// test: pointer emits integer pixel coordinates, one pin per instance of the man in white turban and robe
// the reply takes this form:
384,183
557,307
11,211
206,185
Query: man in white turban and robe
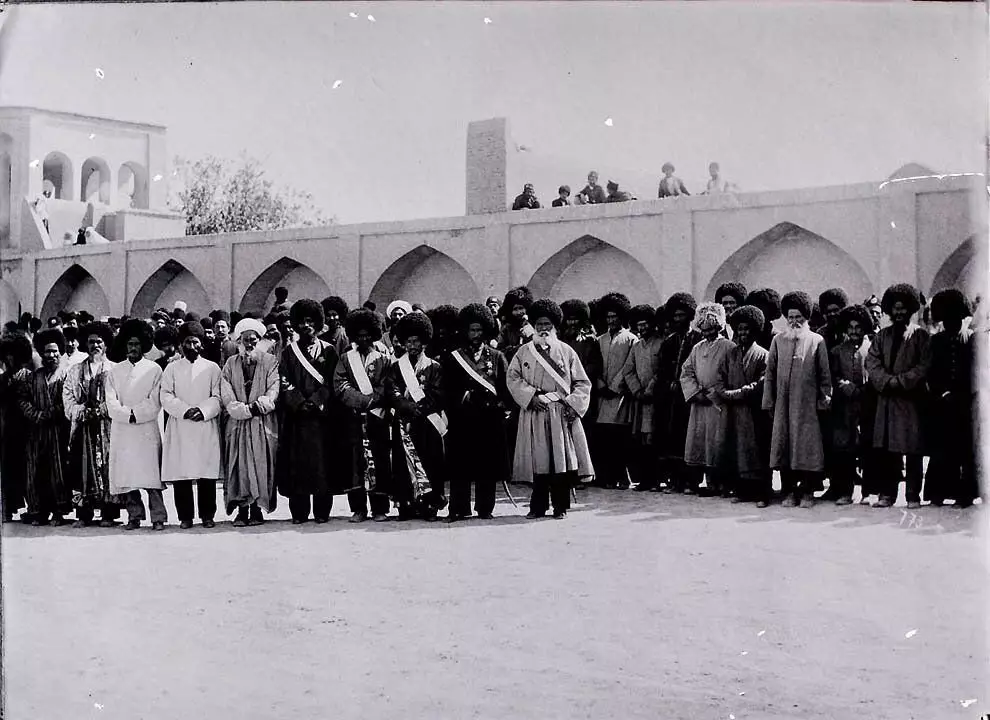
547,381
249,387
133,403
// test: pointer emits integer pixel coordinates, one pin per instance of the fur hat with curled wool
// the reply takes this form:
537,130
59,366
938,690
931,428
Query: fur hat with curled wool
100,329
950,304
305,307
546,308
832,296
615,302
577,309
166,335
444,317
796,300
207,323
859,313
680,301
736,290
139,329
363,319
709,316
642,312
903,292
334,304
414,325
17,345
52,335
478,313
191,329
749,314
191,317
767,300
516,296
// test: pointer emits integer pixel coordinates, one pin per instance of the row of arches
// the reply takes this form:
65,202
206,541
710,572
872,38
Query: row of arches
96,181
786,255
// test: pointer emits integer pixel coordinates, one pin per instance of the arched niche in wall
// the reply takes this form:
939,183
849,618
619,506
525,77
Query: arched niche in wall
962,270
57,168
6,198
75,290
788,257
172,281
10,304
425,275
588,268
300,280
132,186
95,181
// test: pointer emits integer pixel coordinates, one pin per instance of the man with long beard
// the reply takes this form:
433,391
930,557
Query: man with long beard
133,402
191,397
798,386
552,390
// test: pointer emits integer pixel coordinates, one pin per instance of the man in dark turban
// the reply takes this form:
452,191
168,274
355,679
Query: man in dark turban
952,469
671,413
477,398
897,365
547,382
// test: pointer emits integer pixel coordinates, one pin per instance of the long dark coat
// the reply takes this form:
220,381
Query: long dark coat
897,427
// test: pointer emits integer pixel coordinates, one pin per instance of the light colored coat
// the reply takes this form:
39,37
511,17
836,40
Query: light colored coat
135,450
641,374
897,427
615,352
706,372
545,440
251,441
192,449
748,424
798,384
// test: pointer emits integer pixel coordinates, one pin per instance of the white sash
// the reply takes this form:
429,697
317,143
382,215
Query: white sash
361,377
307,365
472,373
438,420
554,375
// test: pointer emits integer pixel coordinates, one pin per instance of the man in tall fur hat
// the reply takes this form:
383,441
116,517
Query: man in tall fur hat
612,424
516,328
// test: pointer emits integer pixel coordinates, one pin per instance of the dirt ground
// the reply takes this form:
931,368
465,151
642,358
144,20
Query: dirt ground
635,606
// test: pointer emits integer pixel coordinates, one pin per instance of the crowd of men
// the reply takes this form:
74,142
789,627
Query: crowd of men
593,193
403,412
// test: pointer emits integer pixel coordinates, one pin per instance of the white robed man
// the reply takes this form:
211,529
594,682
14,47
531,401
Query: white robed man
249,387
191,397
547,381
133,403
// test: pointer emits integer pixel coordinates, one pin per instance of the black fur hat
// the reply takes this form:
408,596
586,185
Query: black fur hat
546,308
335,304
166,334
444,316
615,302
363,319
680,301
478,313
904,292
414,325
950,304
575,308
832,296
736,290
642,312
52,335
749,314
797,300
191,329
767,300
517,296
305,307
859,313
139,329
100,329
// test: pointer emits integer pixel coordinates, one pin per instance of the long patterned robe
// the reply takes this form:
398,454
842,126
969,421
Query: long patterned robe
671,414
191,449
89,438
135,449
897,426
13,439
546,441
311,457
749,427
615,410
798,385
706,372
641,374
362,426
41,405
251,441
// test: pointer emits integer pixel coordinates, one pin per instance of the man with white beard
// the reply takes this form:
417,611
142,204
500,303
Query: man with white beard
547,381
798,385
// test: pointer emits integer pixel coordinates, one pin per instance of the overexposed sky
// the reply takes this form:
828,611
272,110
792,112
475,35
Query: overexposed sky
782,96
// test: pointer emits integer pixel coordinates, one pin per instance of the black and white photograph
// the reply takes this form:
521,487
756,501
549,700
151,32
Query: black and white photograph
506,360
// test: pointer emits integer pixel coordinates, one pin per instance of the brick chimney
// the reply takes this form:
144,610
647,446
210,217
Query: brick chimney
487,166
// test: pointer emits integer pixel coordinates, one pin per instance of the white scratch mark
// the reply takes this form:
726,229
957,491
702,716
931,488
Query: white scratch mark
967,703
488,21
910,634
744,652
157,177
608,121
893,224
353,14
337,84
742,693
761,633
34,163
925,177
371,18
99,73
732,717
92,136
98,706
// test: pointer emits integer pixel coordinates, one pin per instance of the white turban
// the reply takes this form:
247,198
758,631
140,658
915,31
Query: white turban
249,324
179,305
398,304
